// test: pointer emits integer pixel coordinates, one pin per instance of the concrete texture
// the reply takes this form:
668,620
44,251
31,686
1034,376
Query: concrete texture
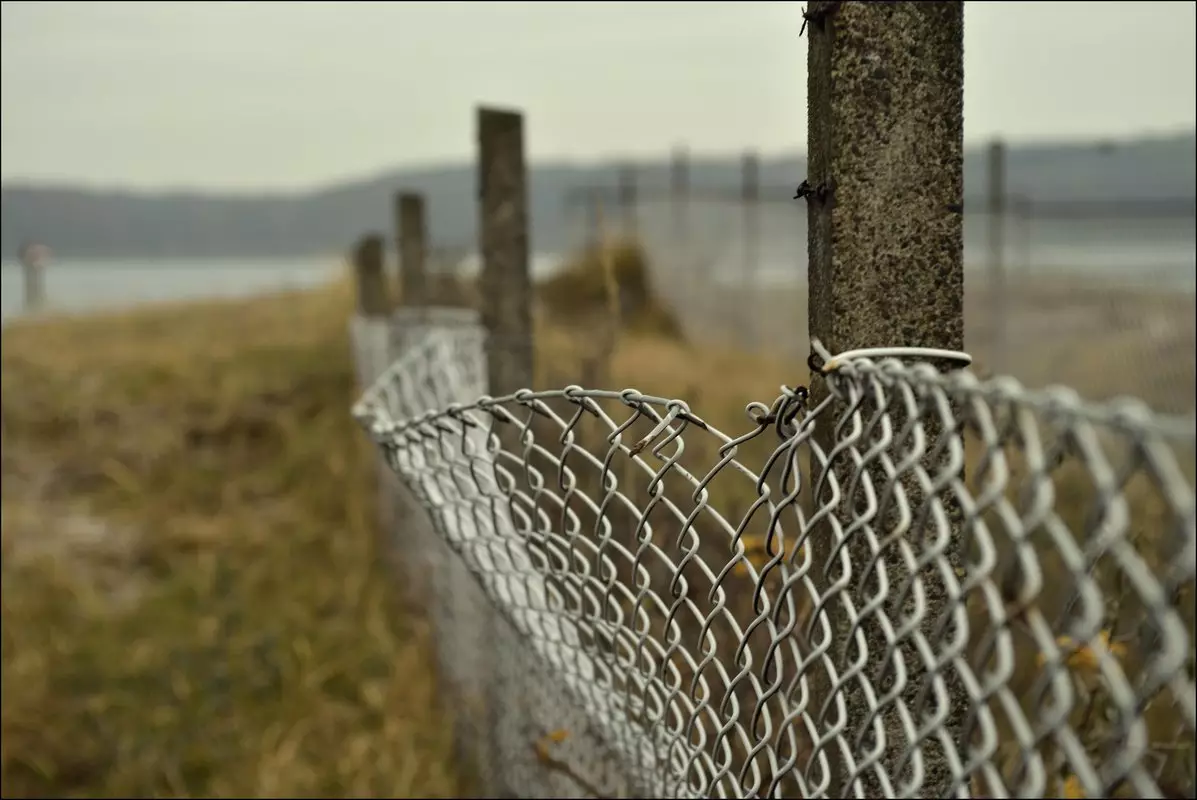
503,230
886,241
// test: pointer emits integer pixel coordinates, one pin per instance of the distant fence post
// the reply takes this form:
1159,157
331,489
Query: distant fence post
627,199
503,228
998,299
679,207
1021,212
33,265
595,231
372,350
412,245
373,299
750,195
885,239
507,317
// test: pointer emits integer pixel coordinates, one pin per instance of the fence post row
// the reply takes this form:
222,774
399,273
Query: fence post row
885,238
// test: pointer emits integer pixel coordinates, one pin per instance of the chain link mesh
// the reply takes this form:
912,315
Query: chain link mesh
917,584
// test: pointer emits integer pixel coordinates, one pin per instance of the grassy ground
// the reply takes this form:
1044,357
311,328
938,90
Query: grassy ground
193,605
192,590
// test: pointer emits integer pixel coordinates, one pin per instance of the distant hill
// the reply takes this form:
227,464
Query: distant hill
82,222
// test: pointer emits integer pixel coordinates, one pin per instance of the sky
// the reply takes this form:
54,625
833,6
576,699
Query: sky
287,95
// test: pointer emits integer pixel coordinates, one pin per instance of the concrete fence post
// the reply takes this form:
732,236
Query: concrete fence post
750,195
373,299
998,294
628,200
507,317
411,230
596,232
33,265
682,265
373,353
885,241
503,229
1021,214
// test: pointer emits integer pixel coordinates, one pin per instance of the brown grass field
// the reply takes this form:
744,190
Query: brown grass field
222,627
194,601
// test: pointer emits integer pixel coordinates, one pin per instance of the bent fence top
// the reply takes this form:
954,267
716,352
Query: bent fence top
900,583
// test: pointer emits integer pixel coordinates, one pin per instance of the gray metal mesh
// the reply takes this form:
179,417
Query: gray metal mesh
921,584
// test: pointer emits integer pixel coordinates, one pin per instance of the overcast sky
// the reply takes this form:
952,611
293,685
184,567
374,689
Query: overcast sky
283,94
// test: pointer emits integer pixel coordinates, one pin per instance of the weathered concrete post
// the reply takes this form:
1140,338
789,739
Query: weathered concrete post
679,202
411,230
507,316
596,232
373,353
627,199
503,229
373,299
750,196
998,294
885,239
33,265
679,191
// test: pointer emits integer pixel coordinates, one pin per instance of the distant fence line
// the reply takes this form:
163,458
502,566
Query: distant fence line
721,239
631,192
899,581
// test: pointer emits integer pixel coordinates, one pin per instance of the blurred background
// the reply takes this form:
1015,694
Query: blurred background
220,158
176,150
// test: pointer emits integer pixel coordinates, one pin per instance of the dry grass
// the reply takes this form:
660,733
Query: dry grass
193,600
201,459
262,652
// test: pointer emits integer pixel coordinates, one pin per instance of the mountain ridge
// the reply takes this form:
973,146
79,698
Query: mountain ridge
79,221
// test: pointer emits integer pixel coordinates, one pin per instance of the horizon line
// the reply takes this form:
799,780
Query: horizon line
581,163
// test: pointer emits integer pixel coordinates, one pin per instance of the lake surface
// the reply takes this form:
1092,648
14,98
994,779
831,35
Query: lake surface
79,285
1164,258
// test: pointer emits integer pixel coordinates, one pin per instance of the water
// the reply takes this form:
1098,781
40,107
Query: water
74,285
1158,253
1162,256
85,285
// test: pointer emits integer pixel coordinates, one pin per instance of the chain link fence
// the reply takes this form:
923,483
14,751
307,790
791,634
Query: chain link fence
903,583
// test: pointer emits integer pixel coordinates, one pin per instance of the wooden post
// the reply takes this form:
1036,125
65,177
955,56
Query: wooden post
372,297
627,200
750,195
411,234
998,295
885,240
